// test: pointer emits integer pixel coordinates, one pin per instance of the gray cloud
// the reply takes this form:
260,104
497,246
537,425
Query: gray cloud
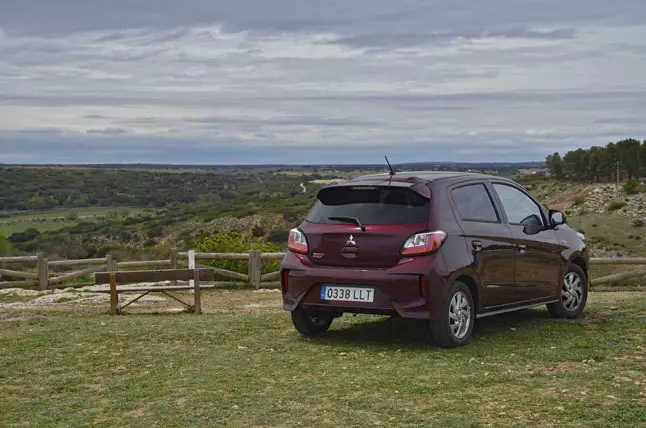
108,131
391,39
323,81
45,16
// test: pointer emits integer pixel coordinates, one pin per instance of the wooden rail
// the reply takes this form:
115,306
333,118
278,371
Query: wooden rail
40,271
615,278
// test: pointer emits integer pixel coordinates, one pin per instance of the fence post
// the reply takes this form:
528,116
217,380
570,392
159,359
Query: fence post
108,263
254,268
43,272
114,296
173,262
197,306
191,265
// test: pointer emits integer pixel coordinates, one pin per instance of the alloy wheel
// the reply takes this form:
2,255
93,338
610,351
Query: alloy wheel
459,315
572,291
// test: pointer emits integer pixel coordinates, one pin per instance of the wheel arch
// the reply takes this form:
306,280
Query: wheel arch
472,285
579,261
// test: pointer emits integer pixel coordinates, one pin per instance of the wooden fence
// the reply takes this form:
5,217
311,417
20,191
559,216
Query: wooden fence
47,274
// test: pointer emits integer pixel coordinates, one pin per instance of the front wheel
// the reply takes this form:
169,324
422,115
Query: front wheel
457,316
311,323
574,294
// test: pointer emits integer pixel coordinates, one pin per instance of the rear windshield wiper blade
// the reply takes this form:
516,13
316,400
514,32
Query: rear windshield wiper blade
354,220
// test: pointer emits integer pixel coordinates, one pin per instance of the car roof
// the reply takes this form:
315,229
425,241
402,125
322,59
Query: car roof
416,176
414,180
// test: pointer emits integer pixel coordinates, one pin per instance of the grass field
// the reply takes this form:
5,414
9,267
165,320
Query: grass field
39,219
243,365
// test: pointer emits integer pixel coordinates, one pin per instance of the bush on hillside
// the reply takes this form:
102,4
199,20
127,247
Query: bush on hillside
616,205
6,249
258,232
279,236
632,186
638,223
579,199
290,216
236,242
26,236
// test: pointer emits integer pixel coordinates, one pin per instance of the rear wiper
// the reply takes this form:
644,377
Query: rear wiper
354,220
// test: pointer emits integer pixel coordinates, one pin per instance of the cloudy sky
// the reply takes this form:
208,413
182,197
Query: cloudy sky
296,81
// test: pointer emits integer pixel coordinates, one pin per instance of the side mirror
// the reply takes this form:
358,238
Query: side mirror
557,218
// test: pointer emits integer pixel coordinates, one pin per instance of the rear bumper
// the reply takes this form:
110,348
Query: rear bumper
411,289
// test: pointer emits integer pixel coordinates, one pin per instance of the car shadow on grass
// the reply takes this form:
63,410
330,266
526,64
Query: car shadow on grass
409,333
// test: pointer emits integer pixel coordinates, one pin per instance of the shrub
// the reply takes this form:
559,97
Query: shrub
150,243
26,236
72,216
579,199
632,186
278,235
6,249
258,232
236,242
638,223
155,230
616,205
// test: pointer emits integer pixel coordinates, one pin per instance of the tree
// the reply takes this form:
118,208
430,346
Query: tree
555,165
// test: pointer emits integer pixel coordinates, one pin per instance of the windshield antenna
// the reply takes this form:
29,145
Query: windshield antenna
392,171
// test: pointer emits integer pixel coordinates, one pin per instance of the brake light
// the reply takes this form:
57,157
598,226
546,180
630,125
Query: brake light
297,242
423,243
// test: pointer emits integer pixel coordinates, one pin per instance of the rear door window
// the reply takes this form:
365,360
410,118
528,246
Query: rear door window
474,203
371,205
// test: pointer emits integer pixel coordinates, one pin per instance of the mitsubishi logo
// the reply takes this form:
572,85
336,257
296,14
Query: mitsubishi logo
351,241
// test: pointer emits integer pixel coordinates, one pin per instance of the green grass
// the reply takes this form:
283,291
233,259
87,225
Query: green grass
9,229
241,367
20,222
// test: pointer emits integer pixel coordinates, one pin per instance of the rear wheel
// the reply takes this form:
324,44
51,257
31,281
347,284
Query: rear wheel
574,294
457,316
311,323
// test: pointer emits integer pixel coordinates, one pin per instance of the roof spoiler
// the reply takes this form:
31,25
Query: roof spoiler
418,186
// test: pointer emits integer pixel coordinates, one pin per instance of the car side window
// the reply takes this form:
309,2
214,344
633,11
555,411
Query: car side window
519,207
474,203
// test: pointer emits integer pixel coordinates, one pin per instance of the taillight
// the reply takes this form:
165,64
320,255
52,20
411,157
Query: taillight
423,243
297,241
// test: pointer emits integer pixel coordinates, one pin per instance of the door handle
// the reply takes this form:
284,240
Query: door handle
477,245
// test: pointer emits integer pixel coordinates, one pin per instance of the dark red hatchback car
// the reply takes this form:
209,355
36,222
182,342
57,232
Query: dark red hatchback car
443,247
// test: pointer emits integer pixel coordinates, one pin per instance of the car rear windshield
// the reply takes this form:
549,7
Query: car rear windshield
371,205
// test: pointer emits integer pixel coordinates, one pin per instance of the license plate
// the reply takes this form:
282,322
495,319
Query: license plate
347,294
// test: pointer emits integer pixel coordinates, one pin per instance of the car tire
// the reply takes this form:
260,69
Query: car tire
310,323
457,316
573,294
